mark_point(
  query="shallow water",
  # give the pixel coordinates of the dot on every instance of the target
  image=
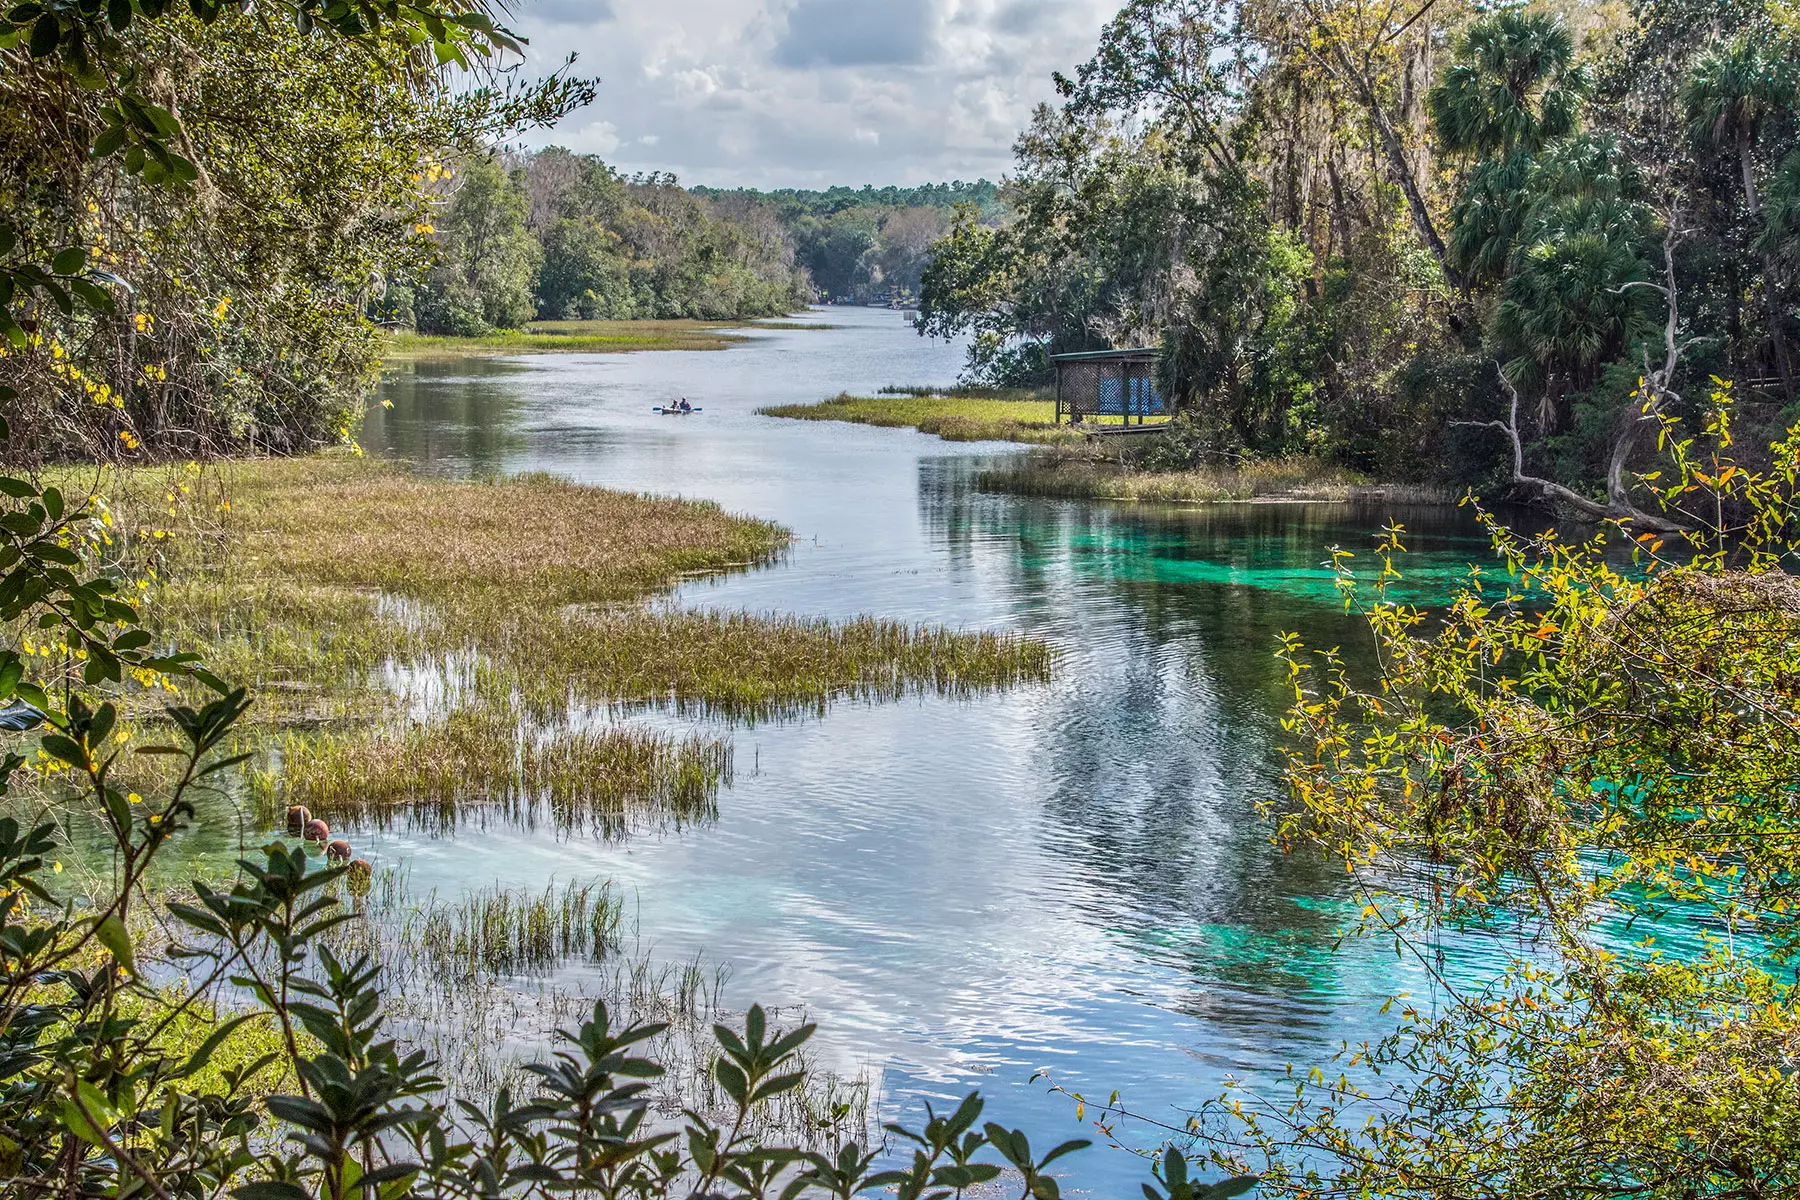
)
(1070, 876)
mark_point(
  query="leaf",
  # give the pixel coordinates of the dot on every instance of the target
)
(108, 143)
(95, 1103)
(272, 1189)
(69, 261)
(45, 35)
(1226, 1189)
(112, 934)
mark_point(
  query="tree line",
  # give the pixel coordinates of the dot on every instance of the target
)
(1358, 231)
(553, 235)
(870, 244)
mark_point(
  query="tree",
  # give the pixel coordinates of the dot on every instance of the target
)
(1731, 97)
(490, 259)
(222, 304)
(1591, 755)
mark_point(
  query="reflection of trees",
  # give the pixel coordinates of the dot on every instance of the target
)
(1162, 732)
(460, 414)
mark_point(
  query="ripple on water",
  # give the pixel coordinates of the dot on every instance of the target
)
(964, 890)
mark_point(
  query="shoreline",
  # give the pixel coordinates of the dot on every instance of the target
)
(591, 337)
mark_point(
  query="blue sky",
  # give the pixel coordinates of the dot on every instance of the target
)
(807, 93)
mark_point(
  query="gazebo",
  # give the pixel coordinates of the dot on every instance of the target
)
(1108, 383)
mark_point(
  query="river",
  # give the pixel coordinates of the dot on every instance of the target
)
(1070, 876)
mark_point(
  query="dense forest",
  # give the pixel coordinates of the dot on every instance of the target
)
(1408, 239)
(554, 235)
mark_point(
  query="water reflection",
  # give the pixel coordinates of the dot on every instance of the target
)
(962, 891)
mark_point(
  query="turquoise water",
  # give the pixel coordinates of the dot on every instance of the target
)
(1070, 876)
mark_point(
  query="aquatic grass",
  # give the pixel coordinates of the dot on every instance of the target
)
(574, 337)
(481, 980)
(503, 931)
(954, 419)
(1273, 479)
(433, 651)
(537, 539)
(596, 780)
(750, 667)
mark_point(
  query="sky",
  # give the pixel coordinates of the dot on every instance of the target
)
(809, 93)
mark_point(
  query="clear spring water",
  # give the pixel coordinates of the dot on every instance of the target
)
(1070, 876)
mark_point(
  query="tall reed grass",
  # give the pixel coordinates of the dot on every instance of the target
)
(747, 667)
(592, 780)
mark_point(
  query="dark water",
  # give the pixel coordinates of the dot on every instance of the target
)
(1071, 876)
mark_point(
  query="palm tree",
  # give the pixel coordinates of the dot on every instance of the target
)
(1729, 98)
(1515, 86)
(1514, 89)
(1565, 304)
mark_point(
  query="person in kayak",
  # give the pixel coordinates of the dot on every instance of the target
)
(685, 406)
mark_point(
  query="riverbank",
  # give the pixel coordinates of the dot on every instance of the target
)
(422, 646)
(985, 418)
(589, 337)
(1291, 479)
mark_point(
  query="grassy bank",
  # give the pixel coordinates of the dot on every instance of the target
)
(1292, 479)
(589, 337)
(421, 645)
(965, 418)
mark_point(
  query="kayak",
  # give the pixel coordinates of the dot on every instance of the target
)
(675, 412)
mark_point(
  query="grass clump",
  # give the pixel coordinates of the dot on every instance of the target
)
(347, 522)
(953, 418)
(575, 337)
(594, 779)
(1289, 479)
(756, 667)
(1292, 479)
(501, 931)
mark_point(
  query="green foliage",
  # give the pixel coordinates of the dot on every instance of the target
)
(1259, 189)
(1515, 86)
(211, 274)
(1591, 754)
(483, 279)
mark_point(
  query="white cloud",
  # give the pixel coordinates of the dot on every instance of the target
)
(805, 93)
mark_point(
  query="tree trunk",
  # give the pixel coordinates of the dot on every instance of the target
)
(1399, 166)
(1778, 350)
